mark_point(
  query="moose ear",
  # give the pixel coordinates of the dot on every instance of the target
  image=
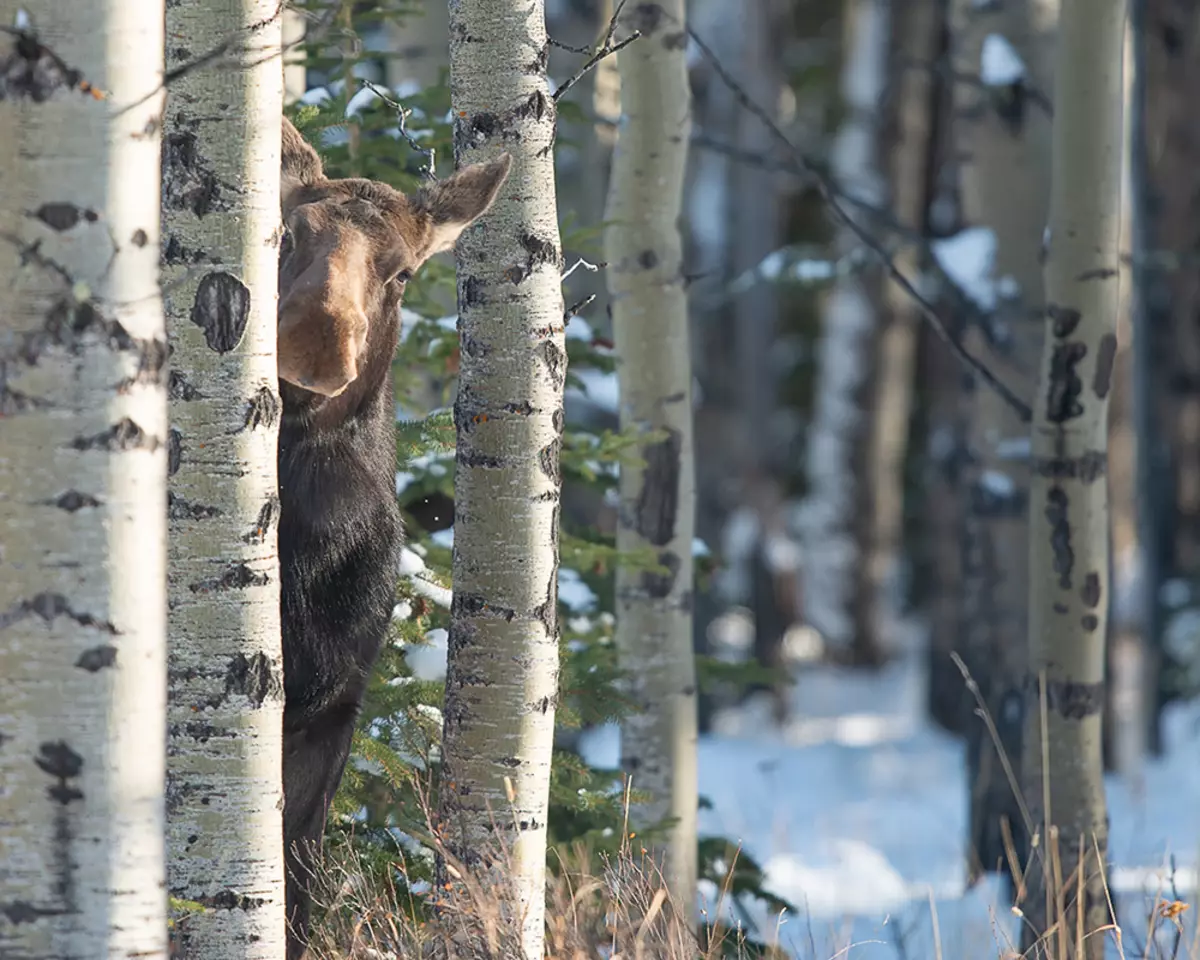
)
(455, 203)
(299, 165)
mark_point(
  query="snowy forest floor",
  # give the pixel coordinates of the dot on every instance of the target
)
(856, 809)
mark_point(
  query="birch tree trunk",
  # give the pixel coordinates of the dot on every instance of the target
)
(502, 675)
(83, 429)
(1003, 140)
(295, 71)
(849, 326)
(221, 231)
(916, 31)
(1068, 557)
(644, 251)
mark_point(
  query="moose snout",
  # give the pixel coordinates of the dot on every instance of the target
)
(320, 343)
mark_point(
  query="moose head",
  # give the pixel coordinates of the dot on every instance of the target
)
(349, 246)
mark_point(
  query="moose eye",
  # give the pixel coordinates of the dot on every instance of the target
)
(403, 276)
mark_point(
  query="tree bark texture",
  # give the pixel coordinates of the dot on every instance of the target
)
(83, 427)
(221, 232)
(1069, 536)
(502, 677)
(1003, 133)
(916, 34)
(840, 425)
(644, 251)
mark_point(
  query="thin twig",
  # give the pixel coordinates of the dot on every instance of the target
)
(402, 115)
(606, 49)
(829, 194)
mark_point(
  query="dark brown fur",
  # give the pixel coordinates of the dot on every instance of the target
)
(349, 247)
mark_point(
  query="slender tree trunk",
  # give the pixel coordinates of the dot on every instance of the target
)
(644, 251)
(502, 676)
(295, 73)
(83, 429)
(1003, 138)
(1068, 558)
(916, 38)
(840, 424)
(221, 230)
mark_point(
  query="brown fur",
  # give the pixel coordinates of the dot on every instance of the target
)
(347, 240)
(350, 245)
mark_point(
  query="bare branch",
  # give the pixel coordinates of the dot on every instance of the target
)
(606, 49)
(830, 194)
(402, 115)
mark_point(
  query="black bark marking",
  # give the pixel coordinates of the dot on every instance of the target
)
(262, 409)
(556, 362)
(1088, 467)
(62, 763)
(180, 509)
(659, 585)
(1064, 320)
(473, 605)
(471, 294)
(1089, 622)
(140, 237)
(675, 41)
(1062, 401)
(187, 181)
(1091, 590)
(1105, 358)
(473, 458)
(97, 658)
(32, 70)
(221, 309)
(21, 911)
(253, 678)
(73, 500)
(179, 387)
(558, 420)
(647, 260)
(658, 501)
(68, 326)
(176, 253)
(47, 606)
(63, 216)
(1061, 608)
(1100, 273)
(1060, 536)
(549, 459)
(174, 451)
(236, 577)
(225, 900)
(1070, 699)
(121, 437)
(522, 409)
(268, 517)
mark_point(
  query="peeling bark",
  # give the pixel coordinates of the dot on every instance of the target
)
(83, 426)
(644, 251)
(221, 197)
(1069, 549)
(502, 673)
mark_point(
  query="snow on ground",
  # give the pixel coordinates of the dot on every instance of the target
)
(857, 811)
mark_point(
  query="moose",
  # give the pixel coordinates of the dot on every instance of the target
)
(348, 248)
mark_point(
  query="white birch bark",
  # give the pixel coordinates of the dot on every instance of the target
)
(849, 325)
(644, 252)
(220, 251)
(502, 678)
(83, 435)
(1002, 137)
(1069, 545)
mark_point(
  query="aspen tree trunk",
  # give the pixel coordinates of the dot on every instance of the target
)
(502, 674)
(221, 230)
(849, 327)
(916, 38)
(1003, 140)
(295, 73)
(83, 430)
(644, 251)
(1068, 557)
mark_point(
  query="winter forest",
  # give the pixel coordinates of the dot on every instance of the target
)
(659, 479)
